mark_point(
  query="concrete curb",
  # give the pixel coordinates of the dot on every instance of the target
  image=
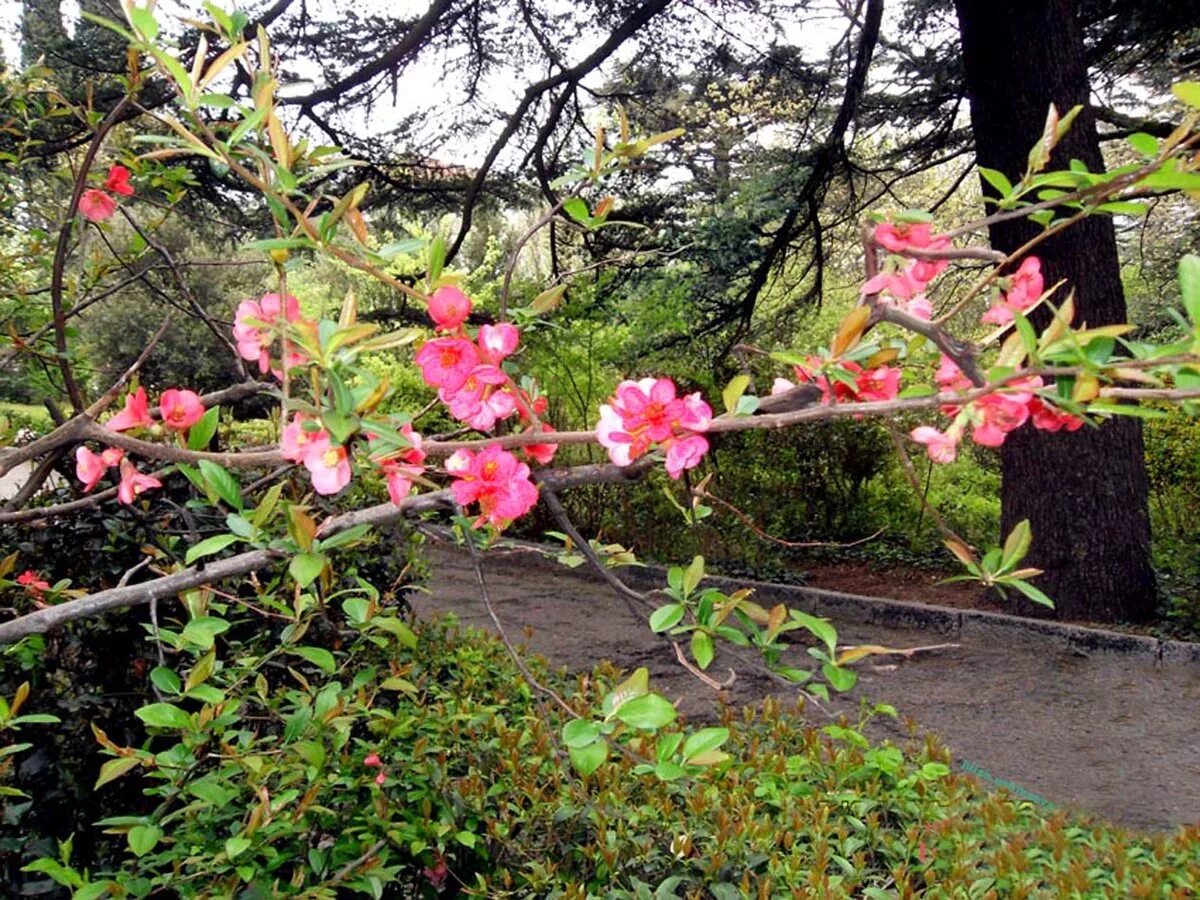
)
(943, 621)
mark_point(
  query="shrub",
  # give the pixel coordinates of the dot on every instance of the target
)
(426, 767)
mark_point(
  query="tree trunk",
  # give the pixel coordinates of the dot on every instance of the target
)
(1085, 494)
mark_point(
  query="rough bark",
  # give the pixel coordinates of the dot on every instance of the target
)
(1085, 494)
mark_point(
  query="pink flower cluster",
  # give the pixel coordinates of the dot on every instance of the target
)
(90, 468)
(372, 761)
(468, 374)
(880, 383)
(98, 205)
(496, 480)
(991, 417)
(1020, 291)
(903, 281)
(253, 329)
(180, 410)
(644, 413)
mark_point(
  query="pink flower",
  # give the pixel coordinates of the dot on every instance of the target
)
(496, 480)
(994, 416)
(900, 236)
(1048, 418)
(647, 412)
(134, 483)
(920, 307)
(447, 362)
(118, 181)
(542, 453)
(496, 342)
(900, 285)
(97, 205)
(1024, 289)
(295, 441)
(950, 377)
(882, 383)
(249, 320)
(381, 778)
(373, 761)
(942, 448)
(328, 465)
(449, 308)
(399, 479)
(35, 585)
(89, 468)
(136, 413)
(181, 409)
(467, 402)
(685, 453)
(925, 270)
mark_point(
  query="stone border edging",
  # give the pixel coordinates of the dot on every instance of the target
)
(940, 620)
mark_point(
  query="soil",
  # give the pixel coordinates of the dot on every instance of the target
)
(1099, 733)
(899, 583)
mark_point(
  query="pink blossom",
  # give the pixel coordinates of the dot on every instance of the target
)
(942, 448)
(329, 466)
(134, 483)
(685, 453)
(779, 385)
(925, 270)
(542, 453)
(994, 416)
(89, 467)
(900, 285)
(273, 306)
(449, 308)
(1024, 289)
(381, 778)
(920, 307)
(447, 362)
(112, 455)
(248, 322)
(950, 377)
(882, 383)
(467, 401)
(181, 409)
(496, 480)
(34, 584)
(118, 181)
(136, 413)
(610, 432)
(97, 205)
(900, 236)
(399, 478)
(373, 761)
(1048, 418)
(497, 342)
(296, 440)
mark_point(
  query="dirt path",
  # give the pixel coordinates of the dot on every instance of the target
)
(1111, 734)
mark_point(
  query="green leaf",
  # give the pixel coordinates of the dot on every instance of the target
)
(693, 575)
(636, 685)
(143, 21)
(733, 392)
(305, 568)
(1123, 208)
(704, 740)
(209, 546)
(1034, 594)
(318, 656)
(702, 649)
(665, 617)
(342, 538)
(821, 629)
(164, 715)
(393, 626)
(841, 679)
(1188, 92)
(1017, 544)
(115, 768)
(1189, 286)
(239, 526)
(270, 244)
(412, 245)
(203, 630)
(1144, 144)
(577, 209)
(588, 759)
(142, 839)
(996, 179)
(235, 846)
(357, 609)
(647, 712)
(200, 434)
(580, 732)
(166, 680)
(223, 484)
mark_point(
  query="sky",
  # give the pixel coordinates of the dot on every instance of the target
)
(423, 79)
